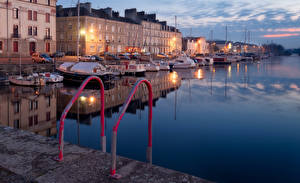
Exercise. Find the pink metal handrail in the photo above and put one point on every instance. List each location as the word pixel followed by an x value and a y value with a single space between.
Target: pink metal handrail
pixel 68 107
pixel 121 114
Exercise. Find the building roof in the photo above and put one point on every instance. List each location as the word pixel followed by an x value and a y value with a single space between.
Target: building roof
pixel 97 13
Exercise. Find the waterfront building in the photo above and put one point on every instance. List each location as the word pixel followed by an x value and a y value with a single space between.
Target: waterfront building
pixel 104 30
pixel 27 26
pixel 158 37
pixel 195 45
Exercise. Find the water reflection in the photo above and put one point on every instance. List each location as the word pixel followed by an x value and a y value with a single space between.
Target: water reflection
pixel 29 109
pixel 223 123
pixel 89 101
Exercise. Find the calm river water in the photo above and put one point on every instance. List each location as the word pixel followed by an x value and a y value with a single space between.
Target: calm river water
pixel 231 124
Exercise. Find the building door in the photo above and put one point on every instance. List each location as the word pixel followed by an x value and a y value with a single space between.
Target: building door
pixel 32 47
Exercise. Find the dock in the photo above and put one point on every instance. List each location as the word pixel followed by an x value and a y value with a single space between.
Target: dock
pixel 27 157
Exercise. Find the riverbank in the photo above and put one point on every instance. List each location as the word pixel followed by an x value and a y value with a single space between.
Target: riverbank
pixel 26 157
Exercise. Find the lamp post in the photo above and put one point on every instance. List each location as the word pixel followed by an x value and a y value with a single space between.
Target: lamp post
pixel 78 28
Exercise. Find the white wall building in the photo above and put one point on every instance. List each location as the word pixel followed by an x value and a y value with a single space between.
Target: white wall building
pixel 27 26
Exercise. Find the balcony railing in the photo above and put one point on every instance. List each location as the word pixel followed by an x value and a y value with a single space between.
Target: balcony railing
pixel 47 37
pixel 15 35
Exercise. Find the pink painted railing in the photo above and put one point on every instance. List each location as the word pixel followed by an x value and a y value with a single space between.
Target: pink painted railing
pixel 68 107
pixel 121 114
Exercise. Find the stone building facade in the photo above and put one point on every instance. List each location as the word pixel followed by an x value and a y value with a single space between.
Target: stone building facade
pixel 104 30
pixel 27 26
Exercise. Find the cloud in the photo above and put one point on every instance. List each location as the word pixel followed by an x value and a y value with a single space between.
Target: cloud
pixel 280 35
pixel 279 17
pixel 295 17
pixel 296 29
pixel 260 18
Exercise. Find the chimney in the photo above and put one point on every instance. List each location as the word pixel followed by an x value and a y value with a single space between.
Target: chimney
pixel 108 11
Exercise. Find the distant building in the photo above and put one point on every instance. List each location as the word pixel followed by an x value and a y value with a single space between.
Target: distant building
pixel 195 45
pixel 220 46
pixel 26 27
pixel 104 30
pixel 157 35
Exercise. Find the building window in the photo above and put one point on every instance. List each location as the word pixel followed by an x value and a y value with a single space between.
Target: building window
pixel 17 123
pixel 30 31
pixel 70 26
pixel 16 46
pixel 48 101
pixel 48 116
pixel 35 15
pixel 36 120
pixel 48 2
pixel 35 31
pixel 33 1
pixel 47 17
pixel 30 120
pixel 36 104
pixel 16 107
pixel 16 30
pixel 48 132
pixel 29 15
pixel 47 32
pixel 31 105
pixel 100 26
pixel 48 47
pixel 113 28
pixel 16 13
pixel 1 46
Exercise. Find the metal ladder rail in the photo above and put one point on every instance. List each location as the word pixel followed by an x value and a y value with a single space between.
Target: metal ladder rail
pixel 68 107
pixel 121 114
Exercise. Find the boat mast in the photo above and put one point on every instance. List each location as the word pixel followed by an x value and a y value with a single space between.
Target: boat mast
pixel 78 27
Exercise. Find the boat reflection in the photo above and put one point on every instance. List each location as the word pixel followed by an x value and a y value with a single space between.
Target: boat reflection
pixel 29 109
pixel 88 104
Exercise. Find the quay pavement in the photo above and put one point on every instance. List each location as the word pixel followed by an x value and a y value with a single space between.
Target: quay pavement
pixel 26 157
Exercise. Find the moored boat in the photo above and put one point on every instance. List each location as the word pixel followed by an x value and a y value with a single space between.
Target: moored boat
pixel 151 67
pixel 221 59
pixel 182 62
pixel 163 66
pixel 32 80
pixel 78 72
pixel 52 77
pixel 129 68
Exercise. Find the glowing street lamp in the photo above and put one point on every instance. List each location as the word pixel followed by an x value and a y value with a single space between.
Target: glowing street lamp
pixel 82 32
pixel 92 99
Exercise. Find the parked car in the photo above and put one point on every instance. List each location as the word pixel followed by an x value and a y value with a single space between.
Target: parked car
pixel 109 56
pixel 85 58
pixel 41 58
pixel 96 58
pixel 135 55
pixel 124 56
pixel 58 54
pixel 162 55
